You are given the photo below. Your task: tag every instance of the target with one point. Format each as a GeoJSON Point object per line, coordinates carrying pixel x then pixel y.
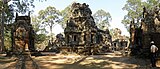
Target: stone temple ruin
{"type": "Point", "coordinates": [81, 33]}
{"type": "Point", "coordinates": [148, 31]}
{"type": "Point", "coordinates": [22, 35]}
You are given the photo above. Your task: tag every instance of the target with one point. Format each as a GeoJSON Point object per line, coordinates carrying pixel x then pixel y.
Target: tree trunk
{"type": "Point", "coordinates": [51, 32]}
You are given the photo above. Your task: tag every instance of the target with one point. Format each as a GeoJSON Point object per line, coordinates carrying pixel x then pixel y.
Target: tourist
{"type": "Point", "coordinates": [153, 49]}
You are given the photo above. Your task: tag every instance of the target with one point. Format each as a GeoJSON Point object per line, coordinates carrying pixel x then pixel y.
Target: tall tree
{"type": "Point", "coordinates": [135, 9]}
{"type": "Point", "coordinates": [102, 18]}
{"type": "Point", "coordinates": [40, 36]}
{"type": "Point", "coordinates": [23, 6]}
{"type": "Point", "coordinates": [49, 17]}
{"type": "Point", "coordinates": [65, 16]}
{"type": "Point", "coordinates": [5, 8]}
{"type": "Point", "coordinates": [152, 3]}
{"type": "Point", "coordinates": [38, 28]}
{"type": "Point", "coordinates": [5, 13]}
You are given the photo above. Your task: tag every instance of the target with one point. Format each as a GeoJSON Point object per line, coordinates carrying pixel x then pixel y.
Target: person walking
{"type": "Point", "coordinates": [153, 49]}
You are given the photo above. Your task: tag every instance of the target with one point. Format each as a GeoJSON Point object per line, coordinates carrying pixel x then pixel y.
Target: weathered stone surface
{"type": "Point", "coordinates": [81, 30]}
{"type": "Point", "coordinates": [151, 25]}
{"type": "Point", "coordinates": [81, 33]}
{"type": "Point", "coordinates": [22, 34]}
{"type": "Point", "coordinates": [148, 31]}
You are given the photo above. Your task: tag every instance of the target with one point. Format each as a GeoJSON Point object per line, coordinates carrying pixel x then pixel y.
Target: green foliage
{"type": "Point", "coordinates": [40, 38]}
{"type": "Point", "coordinates": [135, 9]}
{"type": "Point", "coordinates": [7, 40]}
{"type": "Point", "coordinates": [22, 6]}
{"type": "Point", "coordinates": [65, 14]}
{"type": "Point", "coordinates": [36, 23]}
{"type": "Point", "coordinates": [152, 3]}
{"type": "Point", "coordinates": [102, 18]}
{"type": "Point", "coordinates": [6, 9]}
{"type": "Point", "coordinates": [49, 17]}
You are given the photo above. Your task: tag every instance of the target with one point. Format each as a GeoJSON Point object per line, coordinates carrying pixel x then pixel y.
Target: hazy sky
{"type": "Point", "coordinates": [114, 7]}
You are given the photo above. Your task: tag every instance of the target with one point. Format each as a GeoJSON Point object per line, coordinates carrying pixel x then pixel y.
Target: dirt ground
{"type": "Point", "coordinates": [73, 61]}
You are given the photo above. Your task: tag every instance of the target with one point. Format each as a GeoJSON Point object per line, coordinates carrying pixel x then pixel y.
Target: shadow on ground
{"type": "Point", "coordinates": [96, 62]}
{"type": "Point", "coordinates": [83, 62]}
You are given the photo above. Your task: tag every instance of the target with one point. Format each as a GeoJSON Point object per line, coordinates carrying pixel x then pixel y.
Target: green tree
{"type": "Point", "coordinates": [102, 18]}
{"type": "Point", "coordinates": [5, 17]}
{"type": "Point", "coordinates": [135, 10]}
{"type": "Point", "coordinates": [151, 3]}
{"type": "Point", "coordinates": [40, 31]}
{"type": "Point", "coordinates": [49, 17]}
{"type": "Point", "coordinates": [40, 36]}
{"type": "Point", "coordinates": [8, 15]}
{"type": "Point", "coordinates": [36, 23]}
{"type": "Point", "coordinates": [7, 40]}
{"type": "Point", "coordinates": [23, 6]}
{"type": "Point", "coordinates": [65, 16]}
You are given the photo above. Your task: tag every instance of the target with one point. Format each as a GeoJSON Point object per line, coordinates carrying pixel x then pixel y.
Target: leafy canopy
{"type": "Point", "coordinates": [102, 18]}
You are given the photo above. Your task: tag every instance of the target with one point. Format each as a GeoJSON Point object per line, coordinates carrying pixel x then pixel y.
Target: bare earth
{"type": "Point", "coordinates": [73, 61]}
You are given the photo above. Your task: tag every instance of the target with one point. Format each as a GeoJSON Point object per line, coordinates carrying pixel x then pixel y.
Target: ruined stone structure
{"type": "Point", "coordinates": [53, 46]}
{"type": "Point", "coordinates": [81, 32]}
{"type": "Point", "coordinates": [81, 26]}
{"type": "Point", "coordinates": [120, 44]}
{"type": "Point", "coordinates": [150, 26]}
{"type": "Point", "coordinates": [148, 31]}
{"type": "Point", "coordinates": [22, 34]}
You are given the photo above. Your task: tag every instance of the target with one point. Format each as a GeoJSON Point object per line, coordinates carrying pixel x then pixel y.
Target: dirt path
{"type": "Point", "coordinates": [109, 61]}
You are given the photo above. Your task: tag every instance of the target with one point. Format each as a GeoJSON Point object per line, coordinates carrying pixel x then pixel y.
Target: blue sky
{"type": "Point", "coordinates": [114, 7]}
